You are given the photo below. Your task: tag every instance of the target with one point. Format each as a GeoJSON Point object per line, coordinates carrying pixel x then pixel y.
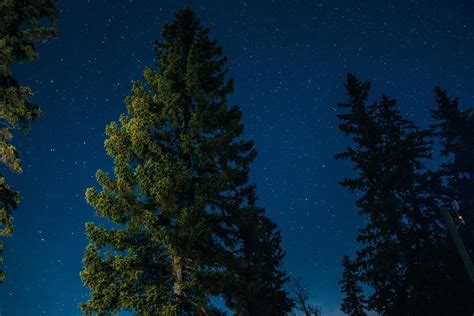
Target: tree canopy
{"type": "Point", "coordinates": [406, 259]}
{"type": "Point", "coordinates": [22, 23]}
{"type": "Point", "coordinates": [184, 225]}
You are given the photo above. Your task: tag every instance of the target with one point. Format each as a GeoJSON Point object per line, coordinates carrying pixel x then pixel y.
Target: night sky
{"type": "Point", "coordinates": [289, 60]}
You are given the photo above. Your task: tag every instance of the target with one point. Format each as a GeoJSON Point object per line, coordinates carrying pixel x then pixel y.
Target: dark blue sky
{"type": "Point", "coordinates": [288, 59]}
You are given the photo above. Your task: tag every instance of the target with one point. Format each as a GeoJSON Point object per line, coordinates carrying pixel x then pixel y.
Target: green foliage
{"type": "Point", "coordinates": [184, 224]}
{"type": "Point", "coordinates": [21, 24]}
{"type": "Point", "coordinates": [9, 200]}
{"type": "Point", "coordinates": [404, 254]}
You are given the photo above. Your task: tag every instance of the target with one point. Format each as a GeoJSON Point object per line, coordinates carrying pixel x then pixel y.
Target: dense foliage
{"type": "Point", "coordinates": [407, 257]}
{"type": "Point", "coordinates": [21, 24]}
{"type": "Point", "coordinates": [184, 221]}
{"type": "Point", "coordinates": [455, 129]}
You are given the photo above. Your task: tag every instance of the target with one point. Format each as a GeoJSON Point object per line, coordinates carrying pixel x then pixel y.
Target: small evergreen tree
{"type": "Point", "coordinates": [21, 24]}
{"type": "Point", "coordinates": [184, 225]}
{"type": "Point", "coordinates": [354, 300]}
{"type": "Point", "coordinates": [258, 284]}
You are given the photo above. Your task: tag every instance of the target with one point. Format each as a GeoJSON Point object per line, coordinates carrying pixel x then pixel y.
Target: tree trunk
{"type": "Point", "coordinates": [178, 277]}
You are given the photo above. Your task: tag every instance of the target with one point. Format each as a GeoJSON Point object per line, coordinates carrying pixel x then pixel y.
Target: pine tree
{"type": "Point", "coordinates": [9, 200]}
{"type": "Point", "coordinates": [454, 180]}
{"type": "Point", "coordinates": [257, 287]}
{"type": "Point", "coordinates": [354, 300]}
{"type": "Point", "coordinates": [400, 238]}
{"type": "Point", "coordinates": [455, 130]}
{"type": "Point", "coordinates": [183, 221]}
{"type": "Point", "coordinates": [21, 24]}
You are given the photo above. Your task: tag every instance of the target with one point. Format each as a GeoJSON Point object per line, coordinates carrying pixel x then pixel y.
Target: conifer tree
{"type": "Point", "coordinates": [183, 220]}
{"type": "Point", "coordinates": [21, 24]}
{"type": "Point", "coordinates": [354, 300]}
{"type": "Point", "coordinates": [454, 180]}
{"type": "Point", "coordinates": [455, 128]}
{"type": "Point", "coordinates": [257, 287]}
{"type": "Point", "coordinates": [400, 238]}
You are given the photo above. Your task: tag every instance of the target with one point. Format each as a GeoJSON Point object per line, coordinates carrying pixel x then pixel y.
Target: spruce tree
{"type": "Point", "coordinates": [257, 285]}
{"type": "Point", "coordinates": [455, 128]}
{"type": "Point", "coordinates": [354, 300]}
{"type": "Point", "coordinates": [400, 238]}
{"type": "Point", "coordinates": [454, 180]}
{"type": "Point", "coordinates": [183, 225]}
{"type": "Point", "coordinates": [21, 24]}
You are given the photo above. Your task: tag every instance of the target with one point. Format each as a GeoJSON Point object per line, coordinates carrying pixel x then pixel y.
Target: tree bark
{"type": "Point", "coordinates": [177, 267]}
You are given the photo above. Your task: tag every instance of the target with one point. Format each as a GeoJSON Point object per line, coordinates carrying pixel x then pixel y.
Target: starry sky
{"type": "Point", "coordinates": [289, 60]}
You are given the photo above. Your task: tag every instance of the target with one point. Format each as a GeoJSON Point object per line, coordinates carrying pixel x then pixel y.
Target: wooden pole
{"type": "Point", "coordinates": [458, 242]}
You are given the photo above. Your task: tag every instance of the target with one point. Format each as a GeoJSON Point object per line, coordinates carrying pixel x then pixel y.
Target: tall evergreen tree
{"type": "Point", "coordinates": [455, 128]}
{"type": "Point", "coordinates": [21, 24]}
{"type": "Point", "coordinates": [184, 225]}
{"type": "Point", "coordinates": [398, 259]}
{"type": "Point", "coordinates": [454, 180]}
{"type": "Point", "coordinates": [354, 300]}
